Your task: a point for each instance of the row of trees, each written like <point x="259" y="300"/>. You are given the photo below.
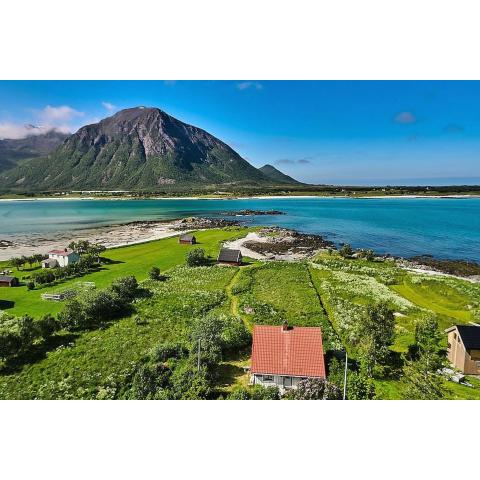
<point x="86" y="264"/>
<point x="20" y="262"/>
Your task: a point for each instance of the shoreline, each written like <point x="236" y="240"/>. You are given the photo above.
<point x="253" y="197"/>
<point x="137" y="232"/>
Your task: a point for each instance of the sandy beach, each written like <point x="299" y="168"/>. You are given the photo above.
<point x="111" y="236"/>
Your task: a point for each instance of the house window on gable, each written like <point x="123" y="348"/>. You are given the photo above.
<point x="267" y="378"/>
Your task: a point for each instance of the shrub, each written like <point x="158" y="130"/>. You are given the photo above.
<point x="187" y="383"/>
<point x="346" y="250"/>
<point x="47" y="326"/>
<point x="167" y="350"/>
<point x="154" y="273"/>
<point x="93" y="307"/>
<point x="149" y="380"/>
<point x="314" y="389"/>
<point x="258" y="392"/>
<point x="196" y="257"/>
<point x="125" y="287"/>
<point x="30" y="285"/>
<point x="239" y="393"/>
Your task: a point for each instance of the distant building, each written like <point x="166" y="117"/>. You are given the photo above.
<point x="187" y="238"/>
<point x="283" y="356"/>
<point x="230" y="257"/>
<point x="6" y="281"/>
<point x="464" y="348"/>
<point x="49" y="263"/>
<point x="62" y="257"/>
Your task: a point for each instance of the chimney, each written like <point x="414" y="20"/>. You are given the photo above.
<point x="285" y="326"/>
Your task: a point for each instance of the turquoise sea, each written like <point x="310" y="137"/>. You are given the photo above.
<point x="442" y="227"/>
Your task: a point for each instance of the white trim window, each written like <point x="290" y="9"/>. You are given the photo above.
<point x="267" y="378"/>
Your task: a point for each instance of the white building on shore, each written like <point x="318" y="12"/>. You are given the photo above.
<point x="60" y="258"/>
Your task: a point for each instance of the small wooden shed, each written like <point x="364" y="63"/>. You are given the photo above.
<point x="187" y="238"/>
<point x="230" y="257"/>
<point x="6" y="281"/>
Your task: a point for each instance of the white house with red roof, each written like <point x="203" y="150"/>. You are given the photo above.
<point x="60" y="258"/>
<point x="283" y="356"/>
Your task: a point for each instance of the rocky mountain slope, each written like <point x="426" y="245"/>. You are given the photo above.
<point x="32" y="146"/>
<point x="276" y="175"/>
<point x="137" y="148"/>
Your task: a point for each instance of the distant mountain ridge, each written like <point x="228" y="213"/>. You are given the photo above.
<point x="276" y="175"/>
<point x="32" y="146"/>
<point x="137" y="148"/>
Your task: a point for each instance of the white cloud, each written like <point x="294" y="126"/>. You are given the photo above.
<point x="15" y="131"/>
<point x="58" y="115"/>
<point x="109" y="107"/>
<point x="405" y="117"/>
<point x="247" y="85"/>
<point x="62" y="118"/>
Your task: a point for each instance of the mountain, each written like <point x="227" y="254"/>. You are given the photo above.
<point x="32" y="146"/>
<point x="137" y="148"/>
<point x="276" y="175"/>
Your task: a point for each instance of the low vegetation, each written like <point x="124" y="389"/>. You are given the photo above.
<point x="164" y="322"/>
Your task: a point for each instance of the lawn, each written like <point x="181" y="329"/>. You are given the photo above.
<point x="131" y="260"/>
<point x="94" y="365"/>
<point x="274" y="292"/>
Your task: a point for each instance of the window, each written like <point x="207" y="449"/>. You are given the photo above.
<point x="267" y="378"/>
<point x="287" y="382"/>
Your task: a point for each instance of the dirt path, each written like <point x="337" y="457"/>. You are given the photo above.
<point x="233" y="298"/>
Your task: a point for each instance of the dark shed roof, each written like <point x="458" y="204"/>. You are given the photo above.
<point x="187" y="237"/>
<point x="227" y="255"/>
<point x="470" y="336"/>
<point x="5" y="278"/>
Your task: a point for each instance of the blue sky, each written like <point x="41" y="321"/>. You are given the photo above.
<point x="344" y="132"/>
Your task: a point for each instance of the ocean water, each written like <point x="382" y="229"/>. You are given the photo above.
<point x="442" y="227"/>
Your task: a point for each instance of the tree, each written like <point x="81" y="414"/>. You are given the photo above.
<point x="196" y="257"/>
<point x="346" y="250"/>
<point x="421" y="380"/>
<point x="207" y="336"/>
<point x="359" y="386"/>
<point x="375" y="334"/>
<point x="427" y="334"/>
<point x="126" y="287"/>
<point x="47" y="326"/>
<point x="314" y="389"/>
<point x="149" y="380"/>
<point x="154" y="273"/>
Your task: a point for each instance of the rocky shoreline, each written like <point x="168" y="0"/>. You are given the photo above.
<point x="270" y="243"/>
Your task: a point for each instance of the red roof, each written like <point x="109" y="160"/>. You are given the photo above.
<point x="297" y="351"/>
<point x="65" y="252"/>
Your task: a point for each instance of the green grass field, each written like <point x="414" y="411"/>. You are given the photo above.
<point x="131" y="260"/>
<point x="330" y="292"/>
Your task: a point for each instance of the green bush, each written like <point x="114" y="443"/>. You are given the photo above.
<point x="154" y="273"/>
<point x="125" y="287"/>
<point x="196" y="258"/>
<point x="167" y="350"/>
